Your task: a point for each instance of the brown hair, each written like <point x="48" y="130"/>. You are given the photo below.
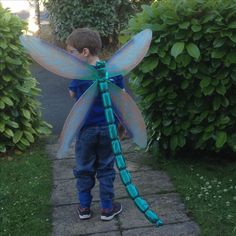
<point x="85" y="38"/>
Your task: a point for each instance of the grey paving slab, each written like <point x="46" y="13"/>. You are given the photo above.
<point x="147" y="182"/>
<point x="66" y="222"/>
<point x="63" y="169"/>
<point x="114" y="233"/>
<point x="189" y="228"/>
<point x="168" y="207"/>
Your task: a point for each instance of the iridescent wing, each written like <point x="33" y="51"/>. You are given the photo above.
<point x="76" y="118"/>
<point x="57" y="60"/>
<point x="128" y="114"/>
<point x="130" y="55"/>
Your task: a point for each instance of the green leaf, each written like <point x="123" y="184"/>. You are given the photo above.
<point x="181" y="140"/>
<point x="233" y="38"/>
<point x="196" y="28"/>
<point x="7" y="101"/>
<point x="9" y="132"/>
<point x="221" y="138"/>
<point x="184" y="25"/>
<point x="231" y="57"/>
<point x="216" y="103"/>
<point x="218" y="53"/>
<point x="29" y="136"/>
<point x="218" y="42"/>
<point x="2" y="126"/>
<point x="24" y="141"/>
<point x="15" y="61"/>
<point x="177" y="49"/>
<point x="7" y="78"/>
<point x="205" y="82"/>
<point x="196" y="130"/>
<point x="173" y="142"/>
<point x="208" y="90"/>
<point x="2" y="105"/>
<point x="232" y="25"/>
<point x="149" y="64"/>
<point x="26" y="114"/>
<point x="221" y="89"/>
<point x="17" y="136"/>
<point x="193" y="50"/>
<point x="12" y="124"/>
<point x="2" y="148"/>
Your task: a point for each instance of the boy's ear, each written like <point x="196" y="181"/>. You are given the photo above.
<point x="86" y="52"/>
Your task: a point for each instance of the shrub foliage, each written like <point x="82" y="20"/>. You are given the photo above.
<point x="107" y="16"/>
<point x="187" y="82"/>
<point x="20" y="120"/>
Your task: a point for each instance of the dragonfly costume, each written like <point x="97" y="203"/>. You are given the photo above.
<point x="115" y="100"/>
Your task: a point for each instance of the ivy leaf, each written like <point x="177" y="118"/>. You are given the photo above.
<point x="221" y="138"/>
<point x="193" y="50"/>
<point x="177" y="49"/>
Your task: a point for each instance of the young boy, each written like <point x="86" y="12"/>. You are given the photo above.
<point x="93" y="149"/>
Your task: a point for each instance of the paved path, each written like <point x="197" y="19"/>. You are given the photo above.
<point x="154" y="186"/>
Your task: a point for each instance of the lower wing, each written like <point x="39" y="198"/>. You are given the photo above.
<point x="128" y="114"/>
<point x="76" y="118"/>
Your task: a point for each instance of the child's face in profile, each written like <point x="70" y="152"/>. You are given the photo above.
<point x="76" y="53"/>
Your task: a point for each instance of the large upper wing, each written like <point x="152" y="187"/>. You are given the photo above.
<point x="130" y="55"/>
<point x="128" y="114"/>
<point x="57" y="60"/>
<point x="76" y="118"/>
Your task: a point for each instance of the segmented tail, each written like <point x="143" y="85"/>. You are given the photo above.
<point x="116" y="147"/>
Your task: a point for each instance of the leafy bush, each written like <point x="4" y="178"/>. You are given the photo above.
<point x="20" y="120"/>
<point x="107" y="16"/>
<point x="187" y="82"/>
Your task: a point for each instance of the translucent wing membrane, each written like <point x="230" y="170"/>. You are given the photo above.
<point x="57" y="60"/>
<point x="131" y="54"/>
<point x="129" y="114"/>
<point x="76" y="118"/>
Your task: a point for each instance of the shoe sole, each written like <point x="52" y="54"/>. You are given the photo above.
<point x="107" y="218"/>
<point x="84" y="217"/>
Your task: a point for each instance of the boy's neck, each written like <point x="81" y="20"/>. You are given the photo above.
<point x="92" y="60"/>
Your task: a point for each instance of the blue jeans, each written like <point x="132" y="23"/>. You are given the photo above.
<point x="94" y="156"/>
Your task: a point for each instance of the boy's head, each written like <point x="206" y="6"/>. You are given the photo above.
<point x="84" y="43"/>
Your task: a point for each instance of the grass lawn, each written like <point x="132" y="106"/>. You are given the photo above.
<point x="208" y="188"/>
<point x="25" y="189"/>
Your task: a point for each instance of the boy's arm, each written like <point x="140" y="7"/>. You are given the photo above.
<point x="72" y="94"/>
<point x="73" y="88"/>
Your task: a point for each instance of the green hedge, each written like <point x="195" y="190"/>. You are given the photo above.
<point x="20" y="120"/>
<point x="106" y="16"/>
<point x="187" y="82"/>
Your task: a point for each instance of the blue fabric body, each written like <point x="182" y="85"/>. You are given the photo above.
<point x="93" y="151"/>
<point x="96" y="115"/>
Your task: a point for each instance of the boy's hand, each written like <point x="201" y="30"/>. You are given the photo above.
<point x="72" y="94"/>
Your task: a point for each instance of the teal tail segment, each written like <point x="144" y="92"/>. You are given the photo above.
<point x="116" y="147"/>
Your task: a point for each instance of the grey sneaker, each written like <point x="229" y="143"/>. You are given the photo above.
<point x="109" y="214"/>
<point x="84" y="213"/>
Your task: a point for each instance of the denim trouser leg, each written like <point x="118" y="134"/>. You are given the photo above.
<point x="85" y="162"/>
<point x="94" y="155"/>
<point x="105" y="168"/>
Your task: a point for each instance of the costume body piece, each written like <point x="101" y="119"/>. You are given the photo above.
<point x="114" y="99"/>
